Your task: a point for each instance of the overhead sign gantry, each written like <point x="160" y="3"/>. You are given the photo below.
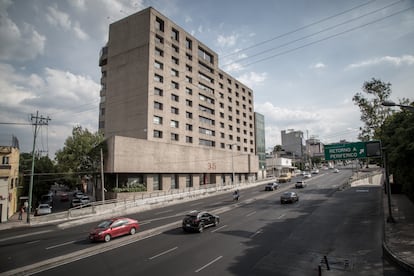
<point x="356" y="150"/>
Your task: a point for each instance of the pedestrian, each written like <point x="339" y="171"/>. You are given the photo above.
<point x="21" y="211"/>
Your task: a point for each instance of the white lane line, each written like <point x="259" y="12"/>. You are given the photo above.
<point x="162" y="253"/>
<point x="281" y="216"/>
<point x="256" y="233"/>
<point x="250" y="214"/>
<point x="215" y="230"/>
<point x="144" y="222"/>
<point x="195" y="204"/>
<point x="61" y="244"/>
<point x="206" y="265"/>
<point x="362" y="191"/>
<point x="163" y="212"/>
<point x="25" y="235"/>
<point x="30" y="242"/>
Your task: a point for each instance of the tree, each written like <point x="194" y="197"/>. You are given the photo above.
<point x="373" y="114"/>
<point x="80" y="155"/>
<point x="396" y="136"/>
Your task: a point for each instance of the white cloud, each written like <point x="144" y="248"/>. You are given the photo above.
<point x="227" y="41"/>
<point x="318" y="65"/>
<point x="252" y="79"/>
<point x="20" y="44"/>
<point x="79" y="32"/>
<point x="396" y="61"/>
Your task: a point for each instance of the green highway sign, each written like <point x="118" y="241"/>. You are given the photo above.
<point x="353" y="150"/>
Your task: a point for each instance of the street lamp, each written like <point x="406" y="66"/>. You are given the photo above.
<point x="232" y="162"/>
<point x="391" y="103"/>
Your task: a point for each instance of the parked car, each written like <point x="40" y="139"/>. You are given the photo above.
<point x="85" y="200"/>
<point x="112" y="228"/>
<point x="300" y="184"/>
<point x="289" y="197"/>
<point x="78" y="194"/>
<point x="46" y="199"/>
<point x="75" y="203"/>
<point x="43" y="209"/>
<point x="271" y="186"/>
<point x="64" y="197"/>
<point x="198" y="220"/>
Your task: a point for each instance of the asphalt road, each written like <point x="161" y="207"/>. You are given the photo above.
<point x="256" y="236"/>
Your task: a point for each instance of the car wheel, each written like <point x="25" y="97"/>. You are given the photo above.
<point x="216" y="221"/>
<point x="107" y="238"/>
<point x="200" y="228"/>
<point x="132" y="231"/>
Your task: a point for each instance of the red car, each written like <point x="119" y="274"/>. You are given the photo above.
<point x="111" y="228"/>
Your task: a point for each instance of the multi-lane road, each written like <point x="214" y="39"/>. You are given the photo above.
<point x="330" y="231"/>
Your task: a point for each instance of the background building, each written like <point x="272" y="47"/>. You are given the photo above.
<point x="292" y="142"/>
<point x="171" y="117"/>
<point x="259" y="124"/>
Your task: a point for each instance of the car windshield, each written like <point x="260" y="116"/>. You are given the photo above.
<point x="104" y="224"/>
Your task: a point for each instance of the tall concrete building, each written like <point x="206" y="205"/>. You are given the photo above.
<point x="171" y="117"/>
<point x="292" y="142"/>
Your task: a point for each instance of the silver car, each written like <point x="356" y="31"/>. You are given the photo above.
<point x="289" y="197"/>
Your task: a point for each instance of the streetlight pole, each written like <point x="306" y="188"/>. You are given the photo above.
<point x="390" y="218"/>
<point x="391" y="103"/>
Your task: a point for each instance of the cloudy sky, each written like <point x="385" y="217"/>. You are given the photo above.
<point x="303" y="59"/>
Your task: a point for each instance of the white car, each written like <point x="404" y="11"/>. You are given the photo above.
<point x="307" y="175"/>
<point x="43" y="209"/>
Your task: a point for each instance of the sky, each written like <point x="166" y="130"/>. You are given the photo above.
<point x="304" y="60"/>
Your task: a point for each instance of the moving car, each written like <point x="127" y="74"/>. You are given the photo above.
<point x="307" y="175"/>
<point x="198" y="220"/>
<point x="271" y="186"/>
<point x="300" y="184"/>
<point x="289" y="197"/>
<point x="112" y="228"/>
<point x="284" y="178"/>
<point x="315" y="171"/>
<point x="43" y="209"/>
<point x="336" y="171"/>
<point x="75" y="203"/>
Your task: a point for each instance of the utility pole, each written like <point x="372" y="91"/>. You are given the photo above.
<point x="36" y="122"/>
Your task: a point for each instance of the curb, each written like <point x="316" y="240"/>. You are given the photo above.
<point x="389" y="255"/>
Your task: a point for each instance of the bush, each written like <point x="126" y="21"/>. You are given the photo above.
<point x="131" y="189"/>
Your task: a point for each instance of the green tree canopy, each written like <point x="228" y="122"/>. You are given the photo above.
<point x="80" y="154"/>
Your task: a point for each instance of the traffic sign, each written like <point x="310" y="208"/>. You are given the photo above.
<point x="352" y="150"/>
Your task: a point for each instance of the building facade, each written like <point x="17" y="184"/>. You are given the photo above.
<point x="172" y="118"/>
<point x="259" y="123"/>
<point x="9" y="179"/>
<point x="292" y="142"/>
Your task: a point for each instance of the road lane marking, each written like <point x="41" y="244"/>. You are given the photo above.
<point x="61" y="244"/>
<point x="362" y="191"/>
<point x="197" y="203"/>
<point x="162" y="253"/>
<point x="25" y="235"/>
<point x="163" y="212"/>
<point x="256" y="233"/>
<point x="210" y="263"/>
<point x="281" y="216"/>
<point x="250" y="214"/>
<point x="35" y="241"/>
<point x="215" y="230"/>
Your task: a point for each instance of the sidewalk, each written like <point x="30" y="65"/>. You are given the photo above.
<point x="398" y="244"/>
<point x="14" y="222"/>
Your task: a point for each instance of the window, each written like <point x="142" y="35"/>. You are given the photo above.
<point x="158" y="78"/>
<point x="206" y="109"/>
<point x="175" y="35"/>
<point x="175" y="60"/>
<point x="174" y="110"/>
<point x="157" y="120"/>
<point x="159" y="39"/>
<point x="158" y="105"/>
<point x="156" y="182"/>
<point x="206" y="131"/>
<point x="188" y="43"/>
<point x="230" y="127"/>
<point x="188" y="181"/>
<point x="174" y="72"/>
<point x="188" y="79"/>
<point x="206" y="99"/>
<point x="188" y="115"/>
<point x="188" y="102"/>
<point x="203" y="54"/>
<point x="222" y="135"/>
<point x="174" y="97"/>
<point x="188" y="127"/>
<point x="175" y="48"/>
<point x="205" y="67"/>
<point x="159" y="24"/>
<point x="158" y="91"/>
<point x="175" y="85"/>
<point x="204" y="142"/>
<point x="174" y="137"/>
<point x="189" y="139"/>
<point x="5" y="160"/>
<point x="174" y="124"/>
<point x="205" y="88"/>
<point x="206" y="120"/>
<point x="159" y="52"/>
<point x="158" y="65"/>
<point x="205" y="77"/>
<point x="188" y="68"/>
<point x="189" y="57"/>
<point x="189" y="91"/>
<point x="174" y="181"/>
<point x="157" y="133"/>
<point x="222" y="125"/>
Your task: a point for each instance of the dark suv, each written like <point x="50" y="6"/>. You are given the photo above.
<point x="198" y="220"/>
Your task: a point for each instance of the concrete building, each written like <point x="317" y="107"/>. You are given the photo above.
<point x="9" y="179"/>
<point x="171" y="117"/>
<point x="314" y="147"/>
<point x="292" y="142"/>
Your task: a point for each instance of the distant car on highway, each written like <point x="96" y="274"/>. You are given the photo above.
<point x="198" y="220"/>
<point x="43" y="209"/>
<point x="289" y="197"/>
<point x="112" y="228"/>
<point x="307" y="175"/>
<point x="300" y="184"/>
<point x="315" y="171"/>
<point x="271" y="186"/>
<point x="336" y="171"/>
